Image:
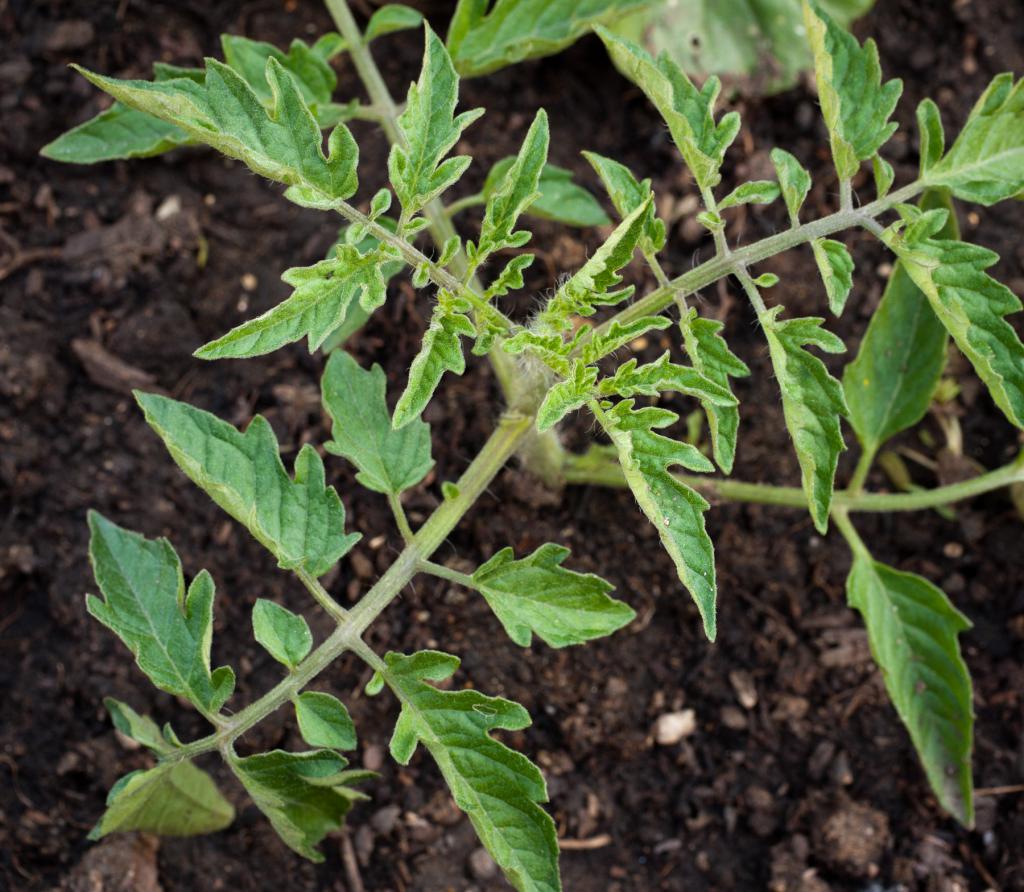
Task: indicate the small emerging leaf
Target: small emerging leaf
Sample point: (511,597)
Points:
(283,634)
(933,138)
(627,194)
(324,721)
(794,181)
(140,728)
(836,267)
(754,192)
(567,396)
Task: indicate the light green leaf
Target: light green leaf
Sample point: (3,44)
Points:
(389,460)
(889,385)
(676,511)
(429,131)
(313,77)
(300,521)
(145,604)
(497,787)
(836,267)
(812,401)
(390,18)
(754,192)
(140,728)
(627,194)
(509,279)
(619,334)
(912,630)
(933,137)
(567,395)
(172,799)
(971,305)
(283,634)
(794,181)
(482,40)
(440,352)
(324,297)
(324,721)
(282,143)
(536,595)
(712,358)
(689,112)
(118,132)
(305,795)
(986,162)
(855,103)
(662,376)
(884,175)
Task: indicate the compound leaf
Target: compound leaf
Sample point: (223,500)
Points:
(145,604)
(676,511)
(324,721)
(389,460)
(627,194)
(812,401)
(567,395)
(299,520)
(536,595)
(855,103)
(497,787)
(663,375)
(912,630)
(836,267)
(283,634)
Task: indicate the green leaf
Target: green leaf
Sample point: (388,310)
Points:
(172,799)
(933,137)
(389,460)
(986,163)
(971,305)
(313,77)
(118,132)
(794,181)
(300,521)
(589,287)
(884,175)
(812,401)
(559,199)
(282,143)
(140,728)
(711,356)
(145,604)
(305,795)
(497,787)
(662,376)
(429,131)
(912,630)
(676,511)
(482,40)
(283,634)
(689,112)
(754,192)
(855,103)
(536,595)
(518,189)
(390,18)
(567,396)
(627,194)
(324,297)
(889,385)
(440,352)
(836,267)
(324,721)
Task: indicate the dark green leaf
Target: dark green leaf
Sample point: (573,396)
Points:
(283,634)
(324,721)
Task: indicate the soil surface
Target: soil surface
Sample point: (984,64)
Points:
(797,774)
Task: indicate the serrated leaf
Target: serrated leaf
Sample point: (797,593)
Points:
(676,511)
(140,728)
(627,194)
(300,520)
(517,191)
(889,385)
(855,103)
(510,278)
(618,334)
(753,192)
(836,267)
(971,305)
(590,286)
(172,799)
(440,352)
(482,40)
(283,634)
(389,460)
(912,631)
(324,721)
(313,77)
(986,162)
(794,181)
(536,595)
(145,604)
(118,132)
(498,788)
(324,296)
(560,199)
(812,401)
(662,376)
(282,143)
(689,112)
(305,795)
(390,18)
(429,130)
(712,358)
(933,137)
(567,395)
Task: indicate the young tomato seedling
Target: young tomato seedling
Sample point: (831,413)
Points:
(272,111)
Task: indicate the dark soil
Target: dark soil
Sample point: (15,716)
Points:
(805,782)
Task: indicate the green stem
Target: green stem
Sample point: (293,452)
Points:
(470,201)
(850,534)
(860,473)
(337,612)
(447,573)
(846,194)
(400,519)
